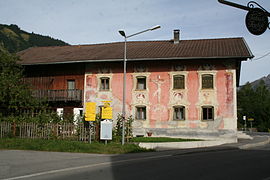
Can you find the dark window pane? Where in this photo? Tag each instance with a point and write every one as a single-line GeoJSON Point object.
{"type": "Point", "coordinates": [179, 82]}
{"type": "Point", "coordinates": [207, 81]}
{"type": "Point", "coordinates": [208, 113]}
{"type": "Point", "coordinates": [205, 114]}
{"type": "Point", "coordinates": [141, 83]}
{"type": "Point", "coordinates": [179, 113]}
{"type": "Point", "coordinates": [141, 113]}
{"type": "Point", "coordinates": [104, 84]}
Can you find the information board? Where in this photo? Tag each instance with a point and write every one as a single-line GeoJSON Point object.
{"type": "Point", "coordinates": [106, 130]}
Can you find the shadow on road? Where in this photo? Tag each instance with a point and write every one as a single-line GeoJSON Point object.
{"type": "Point", "coordinates": [177, 164]}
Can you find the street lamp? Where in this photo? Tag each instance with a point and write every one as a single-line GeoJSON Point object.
{"type": "Point", "coordinates": [122, 32]}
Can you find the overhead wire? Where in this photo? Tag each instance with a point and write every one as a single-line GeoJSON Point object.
{"type": "Point", "coordinates": [261, 57]}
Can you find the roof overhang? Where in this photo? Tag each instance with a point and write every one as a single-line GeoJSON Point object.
{"type": "Point", "coordinates": [141, 59]}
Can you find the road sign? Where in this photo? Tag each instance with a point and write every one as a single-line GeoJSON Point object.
{"type": "Point", "coordinates": [250, 119]}
{"type": "Point", "coordinates": [106, 113]}
{"type": "Point", "coordinates": [90, 111]}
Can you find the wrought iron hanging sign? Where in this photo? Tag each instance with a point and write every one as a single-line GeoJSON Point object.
{"type": "Point", "coordinates": [256, 18]}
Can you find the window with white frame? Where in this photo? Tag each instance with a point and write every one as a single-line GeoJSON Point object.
{"type": "Point", "coordinates": [140, 113]}
{"type": "Point", "coordinates": [178, 113]}
{"type": "Point", "coordinates": [207, 113]}
{"type": "Point", "coordinates": [141, 83]}
{"type": "Point", "coordinates": [178, 82]}
{"type": "Point", "coordinates": [104, 84]}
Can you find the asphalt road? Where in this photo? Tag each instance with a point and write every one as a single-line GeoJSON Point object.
{"type": "Point", "coordinates": [203, 164]}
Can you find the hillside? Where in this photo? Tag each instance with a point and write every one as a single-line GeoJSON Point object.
{"type": "Point", "coordinates": [266, 80]}
{"type": "Point", "coordinates": [14, 39]}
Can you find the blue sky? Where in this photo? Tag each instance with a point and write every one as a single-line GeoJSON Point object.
{"type": "Point", "coordinates": [98, 21]}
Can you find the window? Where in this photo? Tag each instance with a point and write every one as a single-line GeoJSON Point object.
{"type": "Point", "coordinates": [104, 83]}
{"type": "Point", "coordinates": [207, 81]}
{"type": "Point", "coordinates": [141, 83]}
{"type": "Point", "coordinates": [178, 113]}
{"type": "Point", "coordinates": [70, 84]}
{"type": "Point", "coordinates": [207, 113]}
{"type": "Point", "coordinates": [141, 113]}
{"type": "Point", "coordinates": [179, 82]}
{"type": "Point", "coordinates": [71, 88]}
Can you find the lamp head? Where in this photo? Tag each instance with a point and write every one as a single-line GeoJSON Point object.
{"type": "Point", "coordinates": [122, 32]}
{"type": "Point", "coordinates": [155, 27]}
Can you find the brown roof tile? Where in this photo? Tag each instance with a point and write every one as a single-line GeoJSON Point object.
{"type": "Point", "coordinates": [139, 50]}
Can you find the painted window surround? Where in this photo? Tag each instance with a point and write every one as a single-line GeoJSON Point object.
{"type": "Point", "coordinates": [101, 76]}
{"type": "Point", "coordinates": [183, 103]}
{"type": "Point", "coordinates": [136, 91]}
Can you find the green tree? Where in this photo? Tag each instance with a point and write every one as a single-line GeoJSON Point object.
{"type": "Point", "coordinates": [262, 108]}
{"type": "Point", "coordinates": [14, 94]}
{"type": "Point", "coordinates": [254, 102]}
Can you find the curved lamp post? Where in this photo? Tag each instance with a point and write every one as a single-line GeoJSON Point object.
{"type": "Point", "coordinates": [122, 32]}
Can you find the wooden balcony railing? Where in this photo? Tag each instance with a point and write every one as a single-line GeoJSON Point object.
{"type": "Point", "coordinates": [59, 95]}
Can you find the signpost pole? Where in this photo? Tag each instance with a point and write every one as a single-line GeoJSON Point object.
{"type": "Point", "coordinates": [250, 120]}
{"type": "Point", "coordinates": [90, 133]}
{"type": "Point", "coordinates": [244, 118]}
{"type": "Point", "coordinates": [90, 115]}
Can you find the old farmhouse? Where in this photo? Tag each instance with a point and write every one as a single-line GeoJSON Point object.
{"type": "Point", "coordinates": [184, 88]}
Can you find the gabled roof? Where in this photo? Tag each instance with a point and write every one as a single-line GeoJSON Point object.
{"type": "Point", "coordinates": [226, 48]}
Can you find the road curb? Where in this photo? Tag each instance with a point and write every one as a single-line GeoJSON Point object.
{"type": "Point", "coordinates": [252, 145]}
{"type": "Point", "coordinates": [181, 145]}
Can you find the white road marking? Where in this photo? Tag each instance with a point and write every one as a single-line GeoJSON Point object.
{"type": "Point", "coordinates": [85, 166]}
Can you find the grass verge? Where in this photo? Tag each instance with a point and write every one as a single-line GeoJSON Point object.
{"type": "Point", "coordinates": [69, 146]}
{"type": "Point", "coordinates": [161, 139]}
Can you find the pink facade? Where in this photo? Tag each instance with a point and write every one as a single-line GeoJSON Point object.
{"type": "Point", "coordinates": [158, 100]}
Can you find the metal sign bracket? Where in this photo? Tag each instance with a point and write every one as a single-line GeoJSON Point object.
{"type": "Point", "coordinates": [256, 18]}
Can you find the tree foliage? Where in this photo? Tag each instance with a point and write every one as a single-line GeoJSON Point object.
{"type": "Point", "coordinates": [254, 102]}
{"type": "Point", "coordinates": [14, 94]}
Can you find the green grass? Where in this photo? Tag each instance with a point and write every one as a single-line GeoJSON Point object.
{"type": "Point", "coordinates": [161, 139]}
{"type": "Point", "coordinates": [69, 146]}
